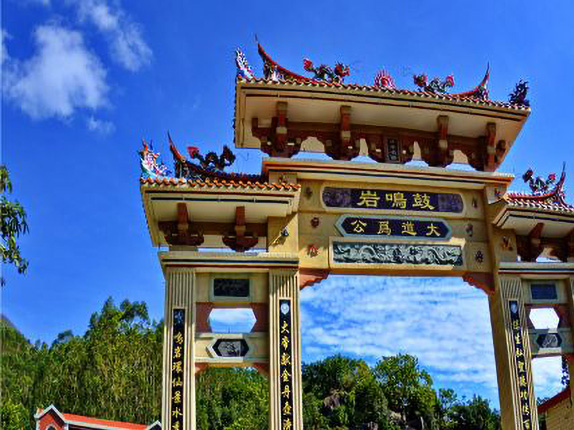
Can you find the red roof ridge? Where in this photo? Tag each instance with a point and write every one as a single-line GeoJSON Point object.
{"type": "Point", "coordinates": [403, 91]}
{"type": "Point", "coordinates": [109, 423]}
{"type": "Point", "coordinates": [222, 183]}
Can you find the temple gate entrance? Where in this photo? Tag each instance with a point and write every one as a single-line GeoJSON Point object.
{"type": "Point", "coordinates": [311, 219]}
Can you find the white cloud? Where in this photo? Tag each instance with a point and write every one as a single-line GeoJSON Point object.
{"type": "Point", "coordinates": [547, 376]}
{"type": "Point", "coordinates": [231, 320]}
{"type": "Point", "coordinates": [127, 44]}
{"type": "Point", "coordinates": [444, 322]}
{"type": "Point", "coordinates": [61, 76]}
{"type": "Point", "coordinates": [4, 56]}
{"type": "Point", "coordinates": [100, 126]}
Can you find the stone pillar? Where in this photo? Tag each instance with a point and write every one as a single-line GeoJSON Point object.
{"type": "Point", "coordinates": [513, 355]}
{"type": "Point", "coordinates": [285, 409]}
{"type": "Point", "coordinates": [179, 296]}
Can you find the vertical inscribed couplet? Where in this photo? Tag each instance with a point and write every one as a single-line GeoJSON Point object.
{"type": "Point", "coordinates": [177, 366]}
{"type": "Point", "coordinates": [520, 366]}
{"type": "Point", "coordinates": [285, 364]}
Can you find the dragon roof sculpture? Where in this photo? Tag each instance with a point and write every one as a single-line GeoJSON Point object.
{"type": "Point", "coordinates": [545, 193]}
{"type": "Point", "coordinates": [334, 76]}
{"type": "Point", "coordinates": [210, 166]}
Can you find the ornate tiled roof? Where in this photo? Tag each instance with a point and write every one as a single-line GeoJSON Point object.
{"type": "Point", "coordinates": [220, 183]}
{"type": "Point", "coordinates": [333, 78]}
{"type": "Point", "coordinates": [524, 201]}
{"type": "Point", "coordinates": [552, 200]}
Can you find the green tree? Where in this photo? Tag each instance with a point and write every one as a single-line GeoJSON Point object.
{"type": "Point", "coordinates": [342, 393]}
{"type": "Point", "coordinates": [230, 399]}
{"type": "Point", "coordinates": [474, 414]}
{"type": "Point", "coordinates": [12, 225]}
{"type": "Point", "coordinates": [408, 389]}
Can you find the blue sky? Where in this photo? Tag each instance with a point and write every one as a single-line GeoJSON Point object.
{"type": "Point", "coordinates": [85, 80]}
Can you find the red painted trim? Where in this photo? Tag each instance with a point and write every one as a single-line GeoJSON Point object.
{"type": "Point", "coordinates": [554, 401]}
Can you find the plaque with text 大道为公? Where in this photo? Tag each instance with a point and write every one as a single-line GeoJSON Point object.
{"type": "Point", "coordinates": [375, 226]}
{"type": "Point", "coordinates": [421, 201]}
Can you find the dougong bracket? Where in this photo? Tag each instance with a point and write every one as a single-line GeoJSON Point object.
{"type": "Point", "coordinates": [240, 240]}
{"type": "Point", "coordinates": [179, 232]}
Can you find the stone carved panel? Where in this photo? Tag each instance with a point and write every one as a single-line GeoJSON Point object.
{"type": "Point", "coordinates": [231, 347]}
{"type": "Point", "coordinates": [397, 253]}
{"type": "Point", "coordinates": [231, 287]}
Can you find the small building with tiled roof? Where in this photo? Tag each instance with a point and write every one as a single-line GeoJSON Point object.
{"type": "Point", "coordinates": [557, 413]}
{"type": "Point", "coordinates": [52, 419]}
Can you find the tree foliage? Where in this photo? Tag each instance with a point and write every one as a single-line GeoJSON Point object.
{"type": "Point", "coordinates": [114, 371]}
{"type": "Point", "coordinates": [12, 224]}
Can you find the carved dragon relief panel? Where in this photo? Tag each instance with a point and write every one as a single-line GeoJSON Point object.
{"type": "Point", "coordinates": [397, 253]}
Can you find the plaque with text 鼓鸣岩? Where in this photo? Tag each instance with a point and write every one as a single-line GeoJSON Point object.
{"type": "Point", "coordinates": [419, 201]}
{"type": "Point", "coordinates": [374, 226]}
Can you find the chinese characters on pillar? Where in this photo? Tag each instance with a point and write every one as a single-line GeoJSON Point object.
{"type": "Point", "coordinates": [381, 226]}
{"type": "Point", "coordinates": [520, 366]}
{"type": "Point", "coordinates": [285, 365]}
{"type": "Point", "coordinates": [420, 201]}
{"type": "Point", "coordinates": [177, 366]}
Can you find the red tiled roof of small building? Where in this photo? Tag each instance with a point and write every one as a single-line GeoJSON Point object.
{"type": "Point", "coordinates": [101, 422]}
{"type": "Point", "coordinates": [553, 401]}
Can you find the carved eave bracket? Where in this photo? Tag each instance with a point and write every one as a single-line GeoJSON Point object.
{"type": "Point", "coordinates": [530, 247]}
{"type": "Point", "coordinates": [275, 140]}
{"type": "Point", "coordinates": [179, 233]}
{"type": "Point", "coordinates": [240, 240]}
{"type": "Point", "coordinates": [346, 145]}
{"type": "Point", "coordinates": [563, 249]}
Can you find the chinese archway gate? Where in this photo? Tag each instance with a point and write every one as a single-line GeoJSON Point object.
{"type": "Point", "coordinates": [299, 220]}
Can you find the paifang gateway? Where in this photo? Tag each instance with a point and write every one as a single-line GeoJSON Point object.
{"type": "Point", "coordinates": [299, 221]}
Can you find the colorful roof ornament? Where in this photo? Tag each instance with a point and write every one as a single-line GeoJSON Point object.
{"type": "Point", "coordinates": [326, 73]}
{"type": "Point", "coordinates": [210, 166]}
{"type": "Point", "coordinates": [518, 95]}
{"type": "Point", "coordinates": [328, 76]}
{"type": "Point", "coordinates": [435, 86]}
{"type": "Point", "coordinates": [323, 73]}
{"type": "Point", "coordinates": [480, 92]}
{"type": "Point", "coordinates": [274, 72]}
{"type": "Point", "coordinates": [243, 67]}
{"type": "Point", "coordinates": [149, 164]}
{"type": "Point", "coordinates": [544, 192]}
{"type": "Point", "coordinates": [383, 79]}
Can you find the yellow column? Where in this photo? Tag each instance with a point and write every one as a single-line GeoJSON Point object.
{"type": "Point", "coordinates": [284, 351]}
{"type": "Point", "coordinates": [179, 295]}
{"type": "Point", "coordinates": [513, 356]}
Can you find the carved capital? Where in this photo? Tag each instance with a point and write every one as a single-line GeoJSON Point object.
{"type": "Point", "coordinates": [308, 277]}
{"type": "Point", "coordinates": [480, 280]}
